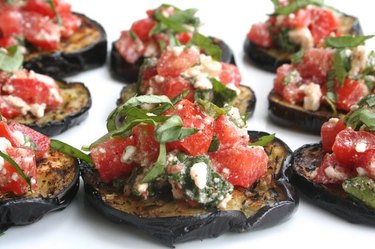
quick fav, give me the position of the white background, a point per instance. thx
(80, 226)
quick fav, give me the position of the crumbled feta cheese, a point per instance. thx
(301, 36)
(128, 153)
(14, 177)
(210, 66)
(235, 116)
(55, 94)
(224, 202)
(28, 159)
(4, 171)
(177, 50)
(142, 188)
(1, 163)
(361, 147)
(38, 110)
(32, 181)
(233, 87)
(102, 150)
(4, 144)
(361, 171)
(49, 81)
(202, 82)
(179, 107)
(225, 171)
(359, 60)
(313, 93)
(331, 172)
(159, 79)
(198, 172)
(8, 88)
(293, 77)
(17, 102)
(19, 137)
(151, 50)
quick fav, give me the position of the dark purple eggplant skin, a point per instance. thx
(270, 59)
(210, 223)
(329, 197)
(19, 211)
(60, 64)
(128, 73)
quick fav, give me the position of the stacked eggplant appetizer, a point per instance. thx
(339, 174)
(55, 41)
(148, 37)
(323, 82)
(295, 25)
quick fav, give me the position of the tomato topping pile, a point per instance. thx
(306, 27)
(25, 146)
(37, 22)
(24, 92)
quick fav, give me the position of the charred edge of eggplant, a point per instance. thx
(62, 63)
(270, 59)
(293, 115)
(245, 102)
(329, 197)
(176, 226)
(18, 211)
(66, 115)
(128, 73)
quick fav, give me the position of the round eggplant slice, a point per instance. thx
(58, 183)
(85, 49)
(245, 101)
(128, 73)
(73, 110)
(270, 59)
(271, 200)
(330, 197)
(296, 116)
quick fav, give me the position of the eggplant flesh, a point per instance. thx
(85, 49)
(268, 202)
(270, 59)
(330, 197)
(58, 183)
(245, 101)
(295, 116)
(128, 72)
(73, 110)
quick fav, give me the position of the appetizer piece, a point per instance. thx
(182, 171)
(184, 69)
(37, 100)
(322, 83)
(35, 177)
(163, 26)
(295, 25)
(56, 41)
(338, 174)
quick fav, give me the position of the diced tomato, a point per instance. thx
(70, 24)
(335, 174)
(329, 131)
(229, 134)
(323, 23)
(192, 117)
(40, 31)
(260, 35)
(299, 19)
(147, 146)
(6, 42)
(316, 64)
(44, 8)
(240, 165)
(8, 110)
(230, 74)
(173, 62)
(184, 37)
(350, 145)
(281, 73)
(129, 49)
(6, 132)
(142, 28)
(367, 162)
(107, 158)
(11, 23)
(350, 93)
(150, 13)
(41, 142)
(11, 181)
(172, 87)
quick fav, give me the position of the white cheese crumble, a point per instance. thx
(151, 50)
(159, 79)
(128, 153)
(32, 181)
(177, 50)
(14, 177)
(142, 188)
(224, 202)
(38, 109)
(235, 116)
(28, 159)
(198, 172)
(1, 163)
(301, 36)
(359, 60)
(312, 92)
(331, 172)
(361, 147)
(4, 171)
(18, 103)
(8, 88)
(361, 171)
(202, 82)
(210, 66)
(102, 150)
(19, 137)
(4, 144)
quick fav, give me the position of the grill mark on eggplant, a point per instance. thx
(272, 199)
(330, 197)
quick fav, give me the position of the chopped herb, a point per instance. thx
(133, 35)
(364, 116)
(211, 109)
(12, 60)
(203, 94)
(297, 57)
(361, 188)
(54, 9)
(172, 130)
(173, 42)
(369, 81)
(283, 42)
(340, 64)
(159, 166)
(177, 22)
(165, 107)
(147, 63)
(70, 150)
(16, 167)
(346, 41)
(331, 104)
(207, 45)
(222, 94)
(264, 140)
(296, 5)
(214, 145)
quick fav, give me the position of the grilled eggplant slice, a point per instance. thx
(270, 59)
(245, 101)
(73, 110)
(128, 73)
(58, 183)
(271, 200)
(296, 116)
(330, 197)
(85, 49)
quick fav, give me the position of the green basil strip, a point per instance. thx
(207, 44)
(70, 150)
(177, 21)
(296, 5)
(172, 130)
(297, 57)
(346, 41)
(211, 109)
(222, 94)
(331, 103)
(165, 107)
(264, 140)
(159, 166)
(214, 145)
(54, 9)
(16, 167)
(360, 117)
(339, 63)
(368, 100)
(11, 61)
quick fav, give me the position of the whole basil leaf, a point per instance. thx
(172, 130)
(70, 150)
(346, 41)
(222, 94)
(206, 43)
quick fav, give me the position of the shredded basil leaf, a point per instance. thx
(222, 94)
(177, 21)
(296, 58)
(340, 62)
(346, 41)
(264, 140)
(147, 63)
(133, 35)
(214, 145)
(172, 130)
(70, 150)
(296, 5)
(206, 43)
(159, 166)
(54, 9)
(16, 167)
(331, 104)
(165, 107)
(364, 116)
(11, 61)
(368, 100)
(211, 109)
